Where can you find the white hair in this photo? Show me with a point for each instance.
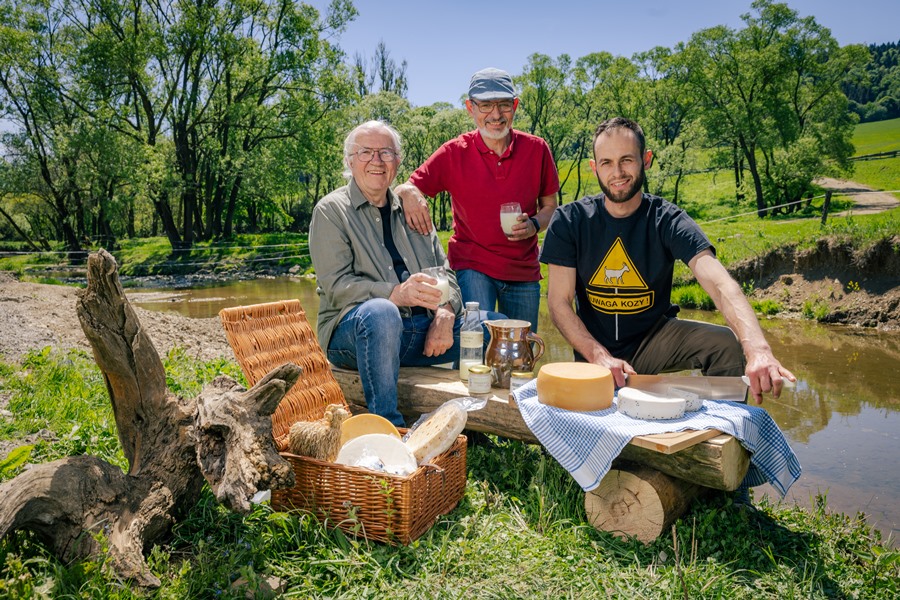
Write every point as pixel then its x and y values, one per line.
pixel 373 126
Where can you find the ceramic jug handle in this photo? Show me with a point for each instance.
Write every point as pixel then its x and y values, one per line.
pixel 536 339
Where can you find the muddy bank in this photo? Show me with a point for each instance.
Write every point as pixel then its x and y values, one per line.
pixel 859 287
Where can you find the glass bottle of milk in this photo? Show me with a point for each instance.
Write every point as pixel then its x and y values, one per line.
pixel 471 340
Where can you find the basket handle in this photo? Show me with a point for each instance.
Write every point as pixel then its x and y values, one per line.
pixel 434 469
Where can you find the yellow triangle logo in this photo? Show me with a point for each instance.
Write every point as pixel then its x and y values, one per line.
pixel 617 270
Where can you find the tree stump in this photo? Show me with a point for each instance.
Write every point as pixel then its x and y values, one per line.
pixel 173 445
pixel 638 501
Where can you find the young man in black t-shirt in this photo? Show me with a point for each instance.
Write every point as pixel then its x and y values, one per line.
pixel 614 255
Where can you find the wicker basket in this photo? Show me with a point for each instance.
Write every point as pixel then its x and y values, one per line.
pixel 378 506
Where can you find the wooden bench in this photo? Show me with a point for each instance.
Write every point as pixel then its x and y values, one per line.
pixel 651 483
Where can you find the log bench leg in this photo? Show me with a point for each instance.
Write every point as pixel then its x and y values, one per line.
pixel 635 500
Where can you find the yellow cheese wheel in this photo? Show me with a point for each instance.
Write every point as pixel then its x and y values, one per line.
pixel 364 424
pixel 575 386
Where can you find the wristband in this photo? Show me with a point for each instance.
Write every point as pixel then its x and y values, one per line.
pixel 537 225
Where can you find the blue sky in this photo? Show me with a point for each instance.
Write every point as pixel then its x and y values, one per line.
pixel 445 41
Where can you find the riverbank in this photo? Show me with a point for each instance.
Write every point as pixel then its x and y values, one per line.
pixel 34 316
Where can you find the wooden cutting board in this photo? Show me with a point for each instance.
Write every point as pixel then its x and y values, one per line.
pixel 669 443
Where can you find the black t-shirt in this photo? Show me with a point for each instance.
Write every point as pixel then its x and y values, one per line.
pixel 624 267
pixel 399 264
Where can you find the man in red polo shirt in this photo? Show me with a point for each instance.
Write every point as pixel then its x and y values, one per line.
pixel 482 169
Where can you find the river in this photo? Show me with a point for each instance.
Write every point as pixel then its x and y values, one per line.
pixel 842 419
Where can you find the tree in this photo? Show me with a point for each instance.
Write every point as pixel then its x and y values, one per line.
pixel 874 88
pixel 544 105
pixel 194 92
pixel 773 90
pixel 602 86
pixel 383 71
pixel 47 151
pixel 668 110
pixel 424 130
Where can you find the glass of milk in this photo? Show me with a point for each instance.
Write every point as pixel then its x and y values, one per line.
pixel 509 216
pixel 443 283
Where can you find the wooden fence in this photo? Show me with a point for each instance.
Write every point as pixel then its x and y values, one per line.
pixel 888 154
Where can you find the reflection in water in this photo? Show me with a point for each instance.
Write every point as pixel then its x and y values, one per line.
pixel 843 418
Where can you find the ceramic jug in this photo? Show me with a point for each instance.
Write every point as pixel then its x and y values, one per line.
pixel 510 349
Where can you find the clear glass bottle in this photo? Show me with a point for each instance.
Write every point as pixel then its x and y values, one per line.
pixel 471 340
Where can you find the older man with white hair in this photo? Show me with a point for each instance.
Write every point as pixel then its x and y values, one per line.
pixel 377 310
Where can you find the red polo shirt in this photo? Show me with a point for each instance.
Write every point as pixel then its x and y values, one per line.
pixel 479 182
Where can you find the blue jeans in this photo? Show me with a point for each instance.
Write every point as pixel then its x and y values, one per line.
pixel 515 299
pixel 376 340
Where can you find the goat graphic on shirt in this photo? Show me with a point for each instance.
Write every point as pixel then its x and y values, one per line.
pixel 616 286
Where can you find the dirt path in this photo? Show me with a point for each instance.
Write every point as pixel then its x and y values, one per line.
pixel 867 200
pixel 34 315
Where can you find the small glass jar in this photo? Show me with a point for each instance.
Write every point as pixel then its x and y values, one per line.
pixel 479 379
pixel 519 378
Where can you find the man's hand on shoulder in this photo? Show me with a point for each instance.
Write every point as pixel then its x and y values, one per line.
pixel 415 207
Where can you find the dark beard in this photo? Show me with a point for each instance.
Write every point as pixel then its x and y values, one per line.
pixel 627 194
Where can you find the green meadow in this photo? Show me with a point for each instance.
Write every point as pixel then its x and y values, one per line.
pixel 875 137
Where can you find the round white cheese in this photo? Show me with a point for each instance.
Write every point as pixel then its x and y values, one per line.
pixel 378 451
pixel 643 405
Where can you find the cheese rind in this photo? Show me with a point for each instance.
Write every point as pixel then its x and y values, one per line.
pixel 582 387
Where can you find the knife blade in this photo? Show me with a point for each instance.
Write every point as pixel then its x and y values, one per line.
pixel 707 387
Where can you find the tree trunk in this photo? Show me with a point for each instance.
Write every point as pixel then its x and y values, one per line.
pixel 167 220
pixel 224 436
pixel 232 206
pixel 750 155
pixel 19 230
pixel 738 169
pixel 638 501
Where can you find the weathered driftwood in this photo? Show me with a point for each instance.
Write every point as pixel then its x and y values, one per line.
pixel 173 444
pixel 634 500
pixel 718 463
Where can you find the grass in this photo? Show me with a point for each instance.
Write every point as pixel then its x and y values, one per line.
pixel 879 136
pixel 881 174
pixel 154 256
pixel 519 532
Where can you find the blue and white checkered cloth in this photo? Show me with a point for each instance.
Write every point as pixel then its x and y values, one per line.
pixel 585 443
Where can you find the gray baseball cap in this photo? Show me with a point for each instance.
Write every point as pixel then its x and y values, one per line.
pixel 491 84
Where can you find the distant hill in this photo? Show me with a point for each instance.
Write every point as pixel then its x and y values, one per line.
pixel 874 91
